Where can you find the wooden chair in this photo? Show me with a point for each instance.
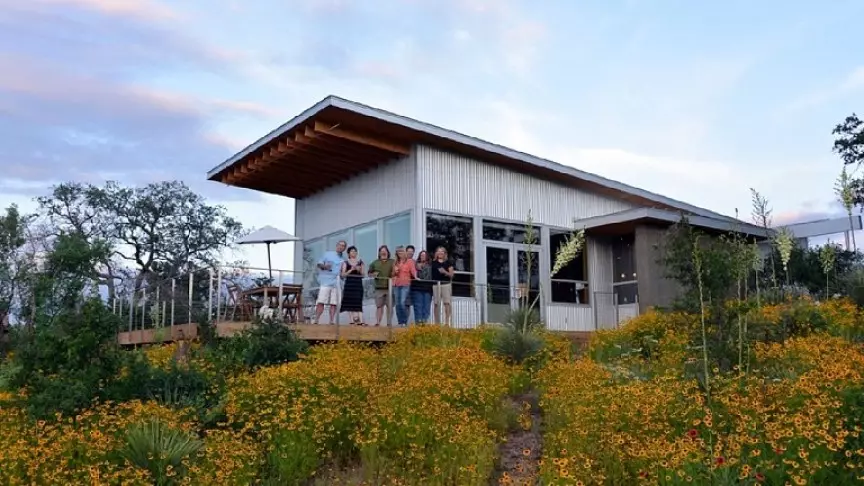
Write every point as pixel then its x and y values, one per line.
pixel 292 304
pixel 240 303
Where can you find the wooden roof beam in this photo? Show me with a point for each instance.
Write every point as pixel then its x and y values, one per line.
pixel 334 131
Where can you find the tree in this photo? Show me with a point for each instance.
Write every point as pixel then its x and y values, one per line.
pixel 161 229
pixel 14 264
pixel 849 144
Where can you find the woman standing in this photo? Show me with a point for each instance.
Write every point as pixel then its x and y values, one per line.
pixel 421 289
pixel 381 270
pixel 352 294
pixel 403 271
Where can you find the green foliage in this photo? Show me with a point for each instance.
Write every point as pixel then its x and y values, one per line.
pixel 162 228
pixel 806 269
pixel 266 342
pixel 513 345
pixel 159 449
pixel 15 267
pixel 65 365
pixel 717 277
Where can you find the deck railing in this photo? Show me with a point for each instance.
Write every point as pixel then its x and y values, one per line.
pixel 240 294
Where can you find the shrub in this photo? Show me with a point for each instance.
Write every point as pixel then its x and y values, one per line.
pixel 160 450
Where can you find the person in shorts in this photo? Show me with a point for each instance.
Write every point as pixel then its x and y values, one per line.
pixel 442 291
pixel 380 270
pixel 329 267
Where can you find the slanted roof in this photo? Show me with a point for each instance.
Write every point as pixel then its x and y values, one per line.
pixel 622 222
pixel 337 139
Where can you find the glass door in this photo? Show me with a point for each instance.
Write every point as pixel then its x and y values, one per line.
pixel 499 283
pixel 528 282
pixel 512 279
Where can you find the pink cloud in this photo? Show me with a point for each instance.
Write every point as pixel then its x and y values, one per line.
pixel 139 9
pixel 26 78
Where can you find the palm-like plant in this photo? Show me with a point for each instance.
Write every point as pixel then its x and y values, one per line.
pixel 159 449
pixel 827 257
pixel 785 242
pixel 845 193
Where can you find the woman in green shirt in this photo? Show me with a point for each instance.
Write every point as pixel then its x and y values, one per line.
pixel 381 269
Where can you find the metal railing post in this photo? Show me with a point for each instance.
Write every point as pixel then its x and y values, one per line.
pixel 189 309
pixel 143 309
pixel 159 324
pixel 131 312
pixel 218 293
pixel 210 295
pixel 279 297
pixel 338 303
pixel 389 309
pixel 173 298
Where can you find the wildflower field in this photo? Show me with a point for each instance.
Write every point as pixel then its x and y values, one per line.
pixel 439 406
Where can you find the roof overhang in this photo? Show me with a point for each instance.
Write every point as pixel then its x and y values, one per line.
pixel 825 227
pixel 336 139
pixel 625 222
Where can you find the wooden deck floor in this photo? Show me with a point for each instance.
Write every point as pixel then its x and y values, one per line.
pixel 308 332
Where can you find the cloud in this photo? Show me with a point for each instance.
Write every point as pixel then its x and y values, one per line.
pixel 851 83
pixel 139 9
pixel 77 101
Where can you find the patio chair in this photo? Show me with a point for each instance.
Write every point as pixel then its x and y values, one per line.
pixel 240 303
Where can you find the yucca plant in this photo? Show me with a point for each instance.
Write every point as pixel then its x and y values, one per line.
pixel 827 257
pixel 846 195
pixel 785 242
pixel 159 449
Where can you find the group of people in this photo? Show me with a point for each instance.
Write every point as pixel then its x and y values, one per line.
pixel 416 283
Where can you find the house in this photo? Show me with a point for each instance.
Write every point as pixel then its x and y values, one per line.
pixel 372 177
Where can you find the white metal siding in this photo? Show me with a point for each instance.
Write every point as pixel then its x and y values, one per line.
pixel 384 191
pixel 453 183
pixel 568 317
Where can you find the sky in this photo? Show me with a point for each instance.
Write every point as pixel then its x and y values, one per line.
pixel 699 101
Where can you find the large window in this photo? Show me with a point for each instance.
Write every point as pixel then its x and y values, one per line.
pixel 313 250
pixel 509 233
pixel 456 235
pixel 624 270
pixel 397 231
pixel 570 284
pixel 335 238
pixel 366 241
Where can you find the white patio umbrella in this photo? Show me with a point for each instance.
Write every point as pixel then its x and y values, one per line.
pixel 267 235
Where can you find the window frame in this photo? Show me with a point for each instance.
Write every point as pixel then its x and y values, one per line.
pixel 586 283
pixel 384 233
pixel 630 282
pixel 471 273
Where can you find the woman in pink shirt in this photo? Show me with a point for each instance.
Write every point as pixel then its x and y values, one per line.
pixel 403 272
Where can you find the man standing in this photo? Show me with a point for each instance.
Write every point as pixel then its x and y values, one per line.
pixel 329 267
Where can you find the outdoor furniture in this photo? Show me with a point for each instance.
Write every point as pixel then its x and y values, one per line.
pixel 292 299
pixel 240 303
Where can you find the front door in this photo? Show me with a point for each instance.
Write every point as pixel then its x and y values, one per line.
pixel 512 279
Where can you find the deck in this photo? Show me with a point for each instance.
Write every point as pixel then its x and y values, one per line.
pixel 307 332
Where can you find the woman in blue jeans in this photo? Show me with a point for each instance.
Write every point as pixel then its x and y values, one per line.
pixel 421 289
pixel 404 271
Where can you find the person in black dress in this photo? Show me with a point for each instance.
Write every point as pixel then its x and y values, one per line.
pixel 352 294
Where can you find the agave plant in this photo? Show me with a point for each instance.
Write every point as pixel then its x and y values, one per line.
pixel 159 449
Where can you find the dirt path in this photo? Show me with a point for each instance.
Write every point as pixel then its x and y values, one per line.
pixel 520 453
